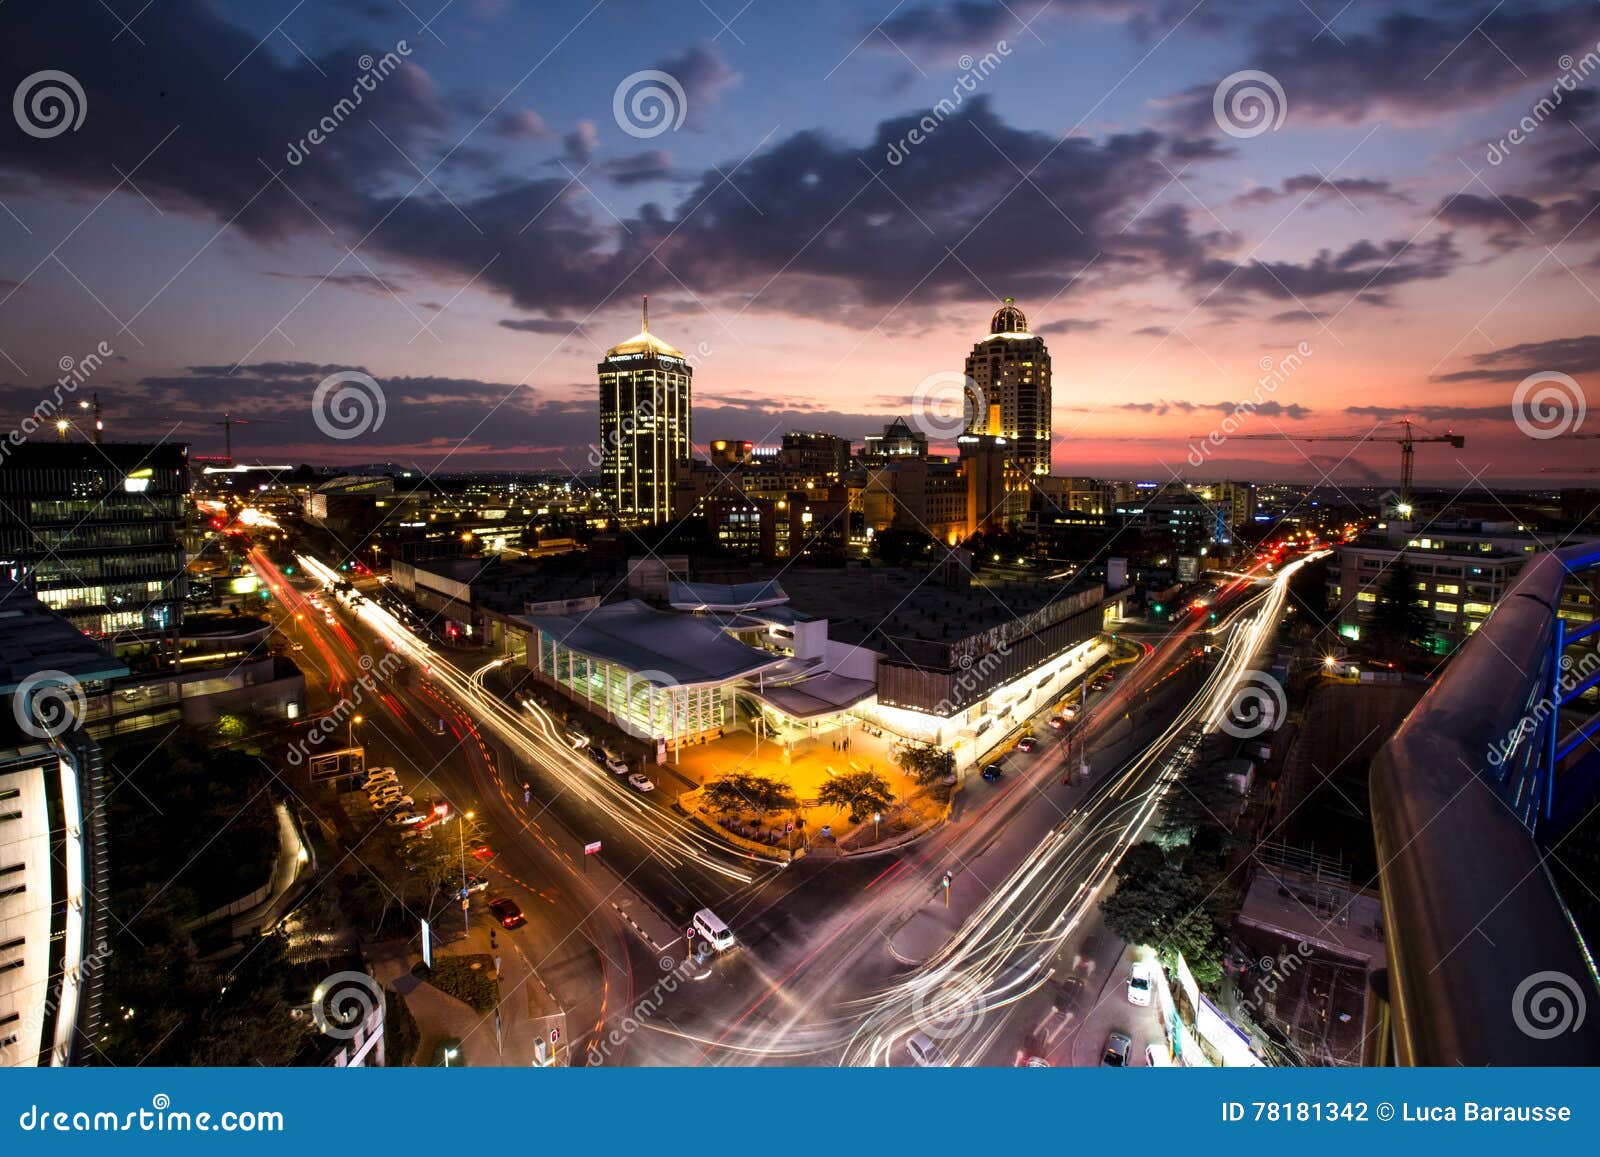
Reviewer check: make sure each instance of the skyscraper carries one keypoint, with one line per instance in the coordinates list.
(1012, 369)
(644, 424)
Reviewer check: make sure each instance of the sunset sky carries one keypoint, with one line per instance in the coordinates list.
(480, 229)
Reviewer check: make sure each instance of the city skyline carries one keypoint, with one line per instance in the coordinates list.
(476, 227)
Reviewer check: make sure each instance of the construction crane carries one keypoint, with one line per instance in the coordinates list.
(1569, 469)
(228, 422)
(1408, 440)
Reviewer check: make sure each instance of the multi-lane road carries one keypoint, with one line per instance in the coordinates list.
(839, 959)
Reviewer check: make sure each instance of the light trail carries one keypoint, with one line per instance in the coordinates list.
(1003, 951)
(539, 740)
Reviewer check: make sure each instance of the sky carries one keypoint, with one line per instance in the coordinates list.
(1382, 211)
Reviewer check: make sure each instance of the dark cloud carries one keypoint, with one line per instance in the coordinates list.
(1300, 316)
(546, 325)
(1567, 355)
(1316, 187)
(653, 165)
(1361, 267)
(519, 124)
(1152, 331)
(360, 282)
(1434, 413)
(581, 144)
(704, 76)
(1071, 325)
(1293, 411)
(1405, 65)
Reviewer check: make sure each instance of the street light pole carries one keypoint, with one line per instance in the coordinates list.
(461, 838)
(350, 731)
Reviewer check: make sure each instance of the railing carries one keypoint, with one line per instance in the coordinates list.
(1487, 964)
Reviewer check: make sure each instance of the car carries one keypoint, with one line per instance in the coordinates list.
(639, 781)
(1118, 1045)
(924, 1053)
(390, 802)
(1156, 1057)
(483, 852)
(507, 912)
(1069, 711)
(474, 884)
(1057, 723)
(381, 775)
(993, 771)
(576, 737)
(297, 646)
(1139, 982)
(440, 808)
(1027, 743)
(403, 819)
(616, 766)
(1032, 1061)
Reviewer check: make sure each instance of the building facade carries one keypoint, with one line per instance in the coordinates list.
(1011, 368)
(644, 425)
(94, 531)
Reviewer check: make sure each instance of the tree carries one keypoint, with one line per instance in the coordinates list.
(1400, 620)
(863, 792)
(924, 762)
(1173, 902)
(898, 547)
(740, 791)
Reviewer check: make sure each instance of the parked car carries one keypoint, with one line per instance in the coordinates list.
(1118, 1045)
(474, 884)
(924, 1052)
(1027, 743)
(508, 913)
(639, 781)
(993, 771)
(1057, 723)
(404, 819)
(1139, 979)
(616, 766)
(388, 803)
(1156, 1057)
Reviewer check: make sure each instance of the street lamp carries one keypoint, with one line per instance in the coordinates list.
(461, 835)
(448, 1054)
(876, 816)
(350, 731)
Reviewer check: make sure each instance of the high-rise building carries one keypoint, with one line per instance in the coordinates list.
(93, 530)
(1011, 368)
(644, 425)
(54, 931)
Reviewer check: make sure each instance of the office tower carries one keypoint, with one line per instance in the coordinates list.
(53, 933)
(93, 531)
(644, 425)
(1012, 370)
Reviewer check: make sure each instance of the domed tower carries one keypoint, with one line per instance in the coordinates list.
(1012, 369)
(644, 424)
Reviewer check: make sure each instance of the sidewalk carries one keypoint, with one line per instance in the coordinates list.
(972, 879)
(527, 1011)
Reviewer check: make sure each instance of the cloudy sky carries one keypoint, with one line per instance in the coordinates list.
(1407, 191)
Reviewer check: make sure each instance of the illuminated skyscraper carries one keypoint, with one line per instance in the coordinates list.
(1012, 369)
(644, 424)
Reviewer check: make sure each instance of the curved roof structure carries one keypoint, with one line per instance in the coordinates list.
(729, 597)
(1008, 319)
(664, 648)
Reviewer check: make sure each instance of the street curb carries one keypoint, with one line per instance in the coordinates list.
(634, 924)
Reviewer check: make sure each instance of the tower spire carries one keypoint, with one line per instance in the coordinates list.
(647, 313)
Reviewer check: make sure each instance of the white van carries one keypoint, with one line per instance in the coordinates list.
(923, 1051)
(707, 923)
(1157, 1057)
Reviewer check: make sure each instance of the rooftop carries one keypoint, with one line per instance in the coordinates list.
(34, 640)
(664, 647)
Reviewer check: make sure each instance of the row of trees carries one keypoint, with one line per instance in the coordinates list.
(862, 792)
